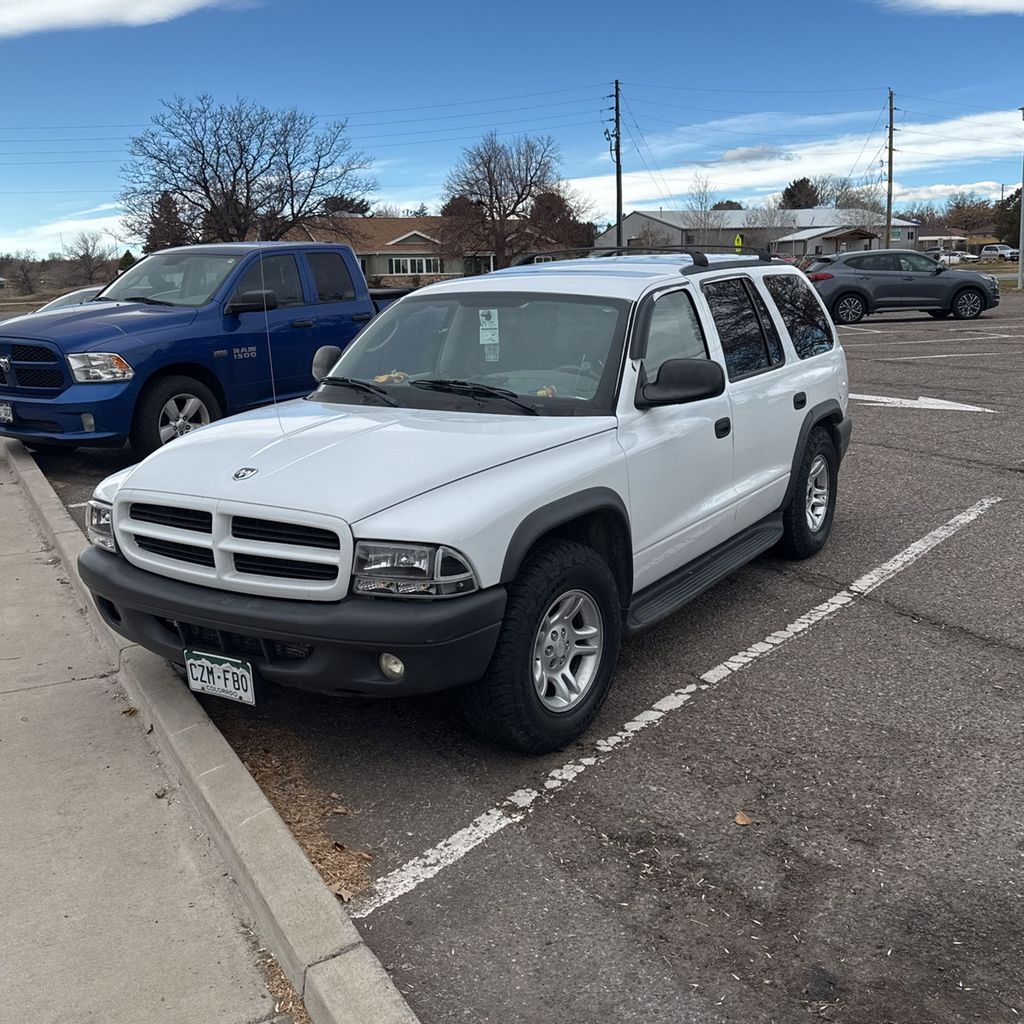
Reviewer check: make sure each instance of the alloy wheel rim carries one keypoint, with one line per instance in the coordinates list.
(850, 309)
(817, 494)
(969, 304)
(181, 415)
(567, 651)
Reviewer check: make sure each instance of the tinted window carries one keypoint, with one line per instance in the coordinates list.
(771, 336)
(674, 333)
(738, 327)
(911, 262)
(858, 262)
(278, 274)
(881, 261)
(801, 313)
(331, 276)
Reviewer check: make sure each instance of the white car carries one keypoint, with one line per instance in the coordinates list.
(501, 478)
(967, 257)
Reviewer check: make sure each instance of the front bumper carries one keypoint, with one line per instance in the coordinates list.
(58, 419)
(330, 647)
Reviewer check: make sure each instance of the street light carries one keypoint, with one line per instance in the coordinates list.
(1020, 239)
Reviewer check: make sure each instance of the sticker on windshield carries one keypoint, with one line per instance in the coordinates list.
(489, 334)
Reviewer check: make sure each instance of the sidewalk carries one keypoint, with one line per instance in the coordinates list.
(114, 907)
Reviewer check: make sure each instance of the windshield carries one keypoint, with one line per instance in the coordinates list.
(173, 279)
(558, 353)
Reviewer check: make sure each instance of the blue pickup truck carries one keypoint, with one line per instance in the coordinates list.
(184, 337)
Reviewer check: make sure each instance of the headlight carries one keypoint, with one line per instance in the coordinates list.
(410, 570)
(100, 524)
(99, 367)
(993, 279)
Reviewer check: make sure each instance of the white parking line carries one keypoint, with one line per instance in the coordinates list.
(77, 504)
(947, 355)
(934, 341)
(516, 806)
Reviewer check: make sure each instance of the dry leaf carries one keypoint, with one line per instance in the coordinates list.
(363, 855)
(343, 894)
(742, 818)
(130, 711)
(339, 810)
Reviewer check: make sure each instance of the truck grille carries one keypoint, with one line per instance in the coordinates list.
(218, 641)
(217, 544)
(32, 367)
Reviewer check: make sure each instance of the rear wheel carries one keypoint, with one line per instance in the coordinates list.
(968, 304)
(848, 309)
(171, 407)
(807, 520)
(556, 653)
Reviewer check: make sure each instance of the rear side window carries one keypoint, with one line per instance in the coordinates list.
(333, 281)
(741, 323)
(801, 313)
(278, 274)
(674, 333)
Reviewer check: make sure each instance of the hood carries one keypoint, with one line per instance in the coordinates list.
(79, 328)
(347, 461)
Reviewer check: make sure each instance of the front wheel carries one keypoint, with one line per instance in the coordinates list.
(968, 305)
(807, 519)
(849, 309)
(556, 653)
(171, 407)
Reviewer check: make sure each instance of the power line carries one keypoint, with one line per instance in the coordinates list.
(866, 141)
(757, 91)
(745, 113)
(952, 103)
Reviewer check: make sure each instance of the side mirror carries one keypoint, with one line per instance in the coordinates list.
(324, 360)
(252, 302)
(939, 269)
(680, 381)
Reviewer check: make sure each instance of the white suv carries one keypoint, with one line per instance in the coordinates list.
(1000, 252)
(501, 478)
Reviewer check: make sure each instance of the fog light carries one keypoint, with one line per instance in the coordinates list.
(392, 667)
(88, 422)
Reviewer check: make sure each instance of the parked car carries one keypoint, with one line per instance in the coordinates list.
(967, 257)
(495, 483)
(946, 256)
(180, 339)
(1000, 251)
(854, 285)
(75, 298)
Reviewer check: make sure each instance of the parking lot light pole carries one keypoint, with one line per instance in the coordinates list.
(1020, 239)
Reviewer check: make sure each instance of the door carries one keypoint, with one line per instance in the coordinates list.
(880, 275)
(678, 457)
(340, 315)
(761, 389)
(925, 282)
(280, 340)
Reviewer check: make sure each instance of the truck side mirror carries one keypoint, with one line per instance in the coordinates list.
(324, 360)
(680, 381)
(252, 302)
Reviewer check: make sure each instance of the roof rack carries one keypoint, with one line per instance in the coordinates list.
(594, 251)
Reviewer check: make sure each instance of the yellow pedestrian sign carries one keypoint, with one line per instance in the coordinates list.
(738, 242)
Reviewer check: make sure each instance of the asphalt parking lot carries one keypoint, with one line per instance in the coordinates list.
(873, 747)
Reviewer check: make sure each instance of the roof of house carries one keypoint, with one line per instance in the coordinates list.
(834, 230)
(367, 235)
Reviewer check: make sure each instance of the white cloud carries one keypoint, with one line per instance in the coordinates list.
(43, 239)
(958, 6)
(21, 17)
(743, 154)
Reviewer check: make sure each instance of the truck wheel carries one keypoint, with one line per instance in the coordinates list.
(807, 520)
(556, 653)
(968, 304)
(171, 407)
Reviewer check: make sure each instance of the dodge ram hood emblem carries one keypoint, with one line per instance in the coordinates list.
(245, 472)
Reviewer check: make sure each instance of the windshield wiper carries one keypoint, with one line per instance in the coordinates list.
(473, 389)
(361, 385)
(143, 298)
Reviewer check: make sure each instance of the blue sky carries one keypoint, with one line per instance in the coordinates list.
(749, 94)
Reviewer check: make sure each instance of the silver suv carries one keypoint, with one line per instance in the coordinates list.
(855, 284)
(1000, 252)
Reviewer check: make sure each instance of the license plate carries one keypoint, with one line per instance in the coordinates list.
(6, 413)
(220, 677)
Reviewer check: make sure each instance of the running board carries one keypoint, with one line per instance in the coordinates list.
(670, 594)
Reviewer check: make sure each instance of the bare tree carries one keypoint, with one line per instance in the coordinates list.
(24, 269)
(241, 170)
(832, 189)
(650, 237)
(490, 193)
(90, 256)
(700, 206)
(773, 220)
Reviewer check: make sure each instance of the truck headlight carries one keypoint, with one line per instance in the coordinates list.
(100, 525)
(392, 569)
(99, 367)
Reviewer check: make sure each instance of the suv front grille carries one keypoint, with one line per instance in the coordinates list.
(284, 533)
(176, 552)
(284, 568)
(165, 515)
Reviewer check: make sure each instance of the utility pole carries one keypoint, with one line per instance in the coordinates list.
(1020, 238)
(888, 198)
(614, 138)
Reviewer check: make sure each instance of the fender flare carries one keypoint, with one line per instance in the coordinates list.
(828, 411)
(557, 513)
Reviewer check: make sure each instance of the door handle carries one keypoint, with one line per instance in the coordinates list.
(361, 317)
(799, 400)
(302, 323)
(722, 427)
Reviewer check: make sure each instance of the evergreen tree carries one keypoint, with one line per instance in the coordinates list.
(166, 228)
(126, 262)
(800, 194)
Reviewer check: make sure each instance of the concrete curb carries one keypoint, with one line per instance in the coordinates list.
(299, 919)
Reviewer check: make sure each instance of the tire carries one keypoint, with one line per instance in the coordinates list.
(968, 304)
(938, 314)
(150, 423)
(799, 538)
(507, 706)
(849, 309)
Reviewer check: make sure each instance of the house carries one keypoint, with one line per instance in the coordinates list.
(789, 232)
(395, 251)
